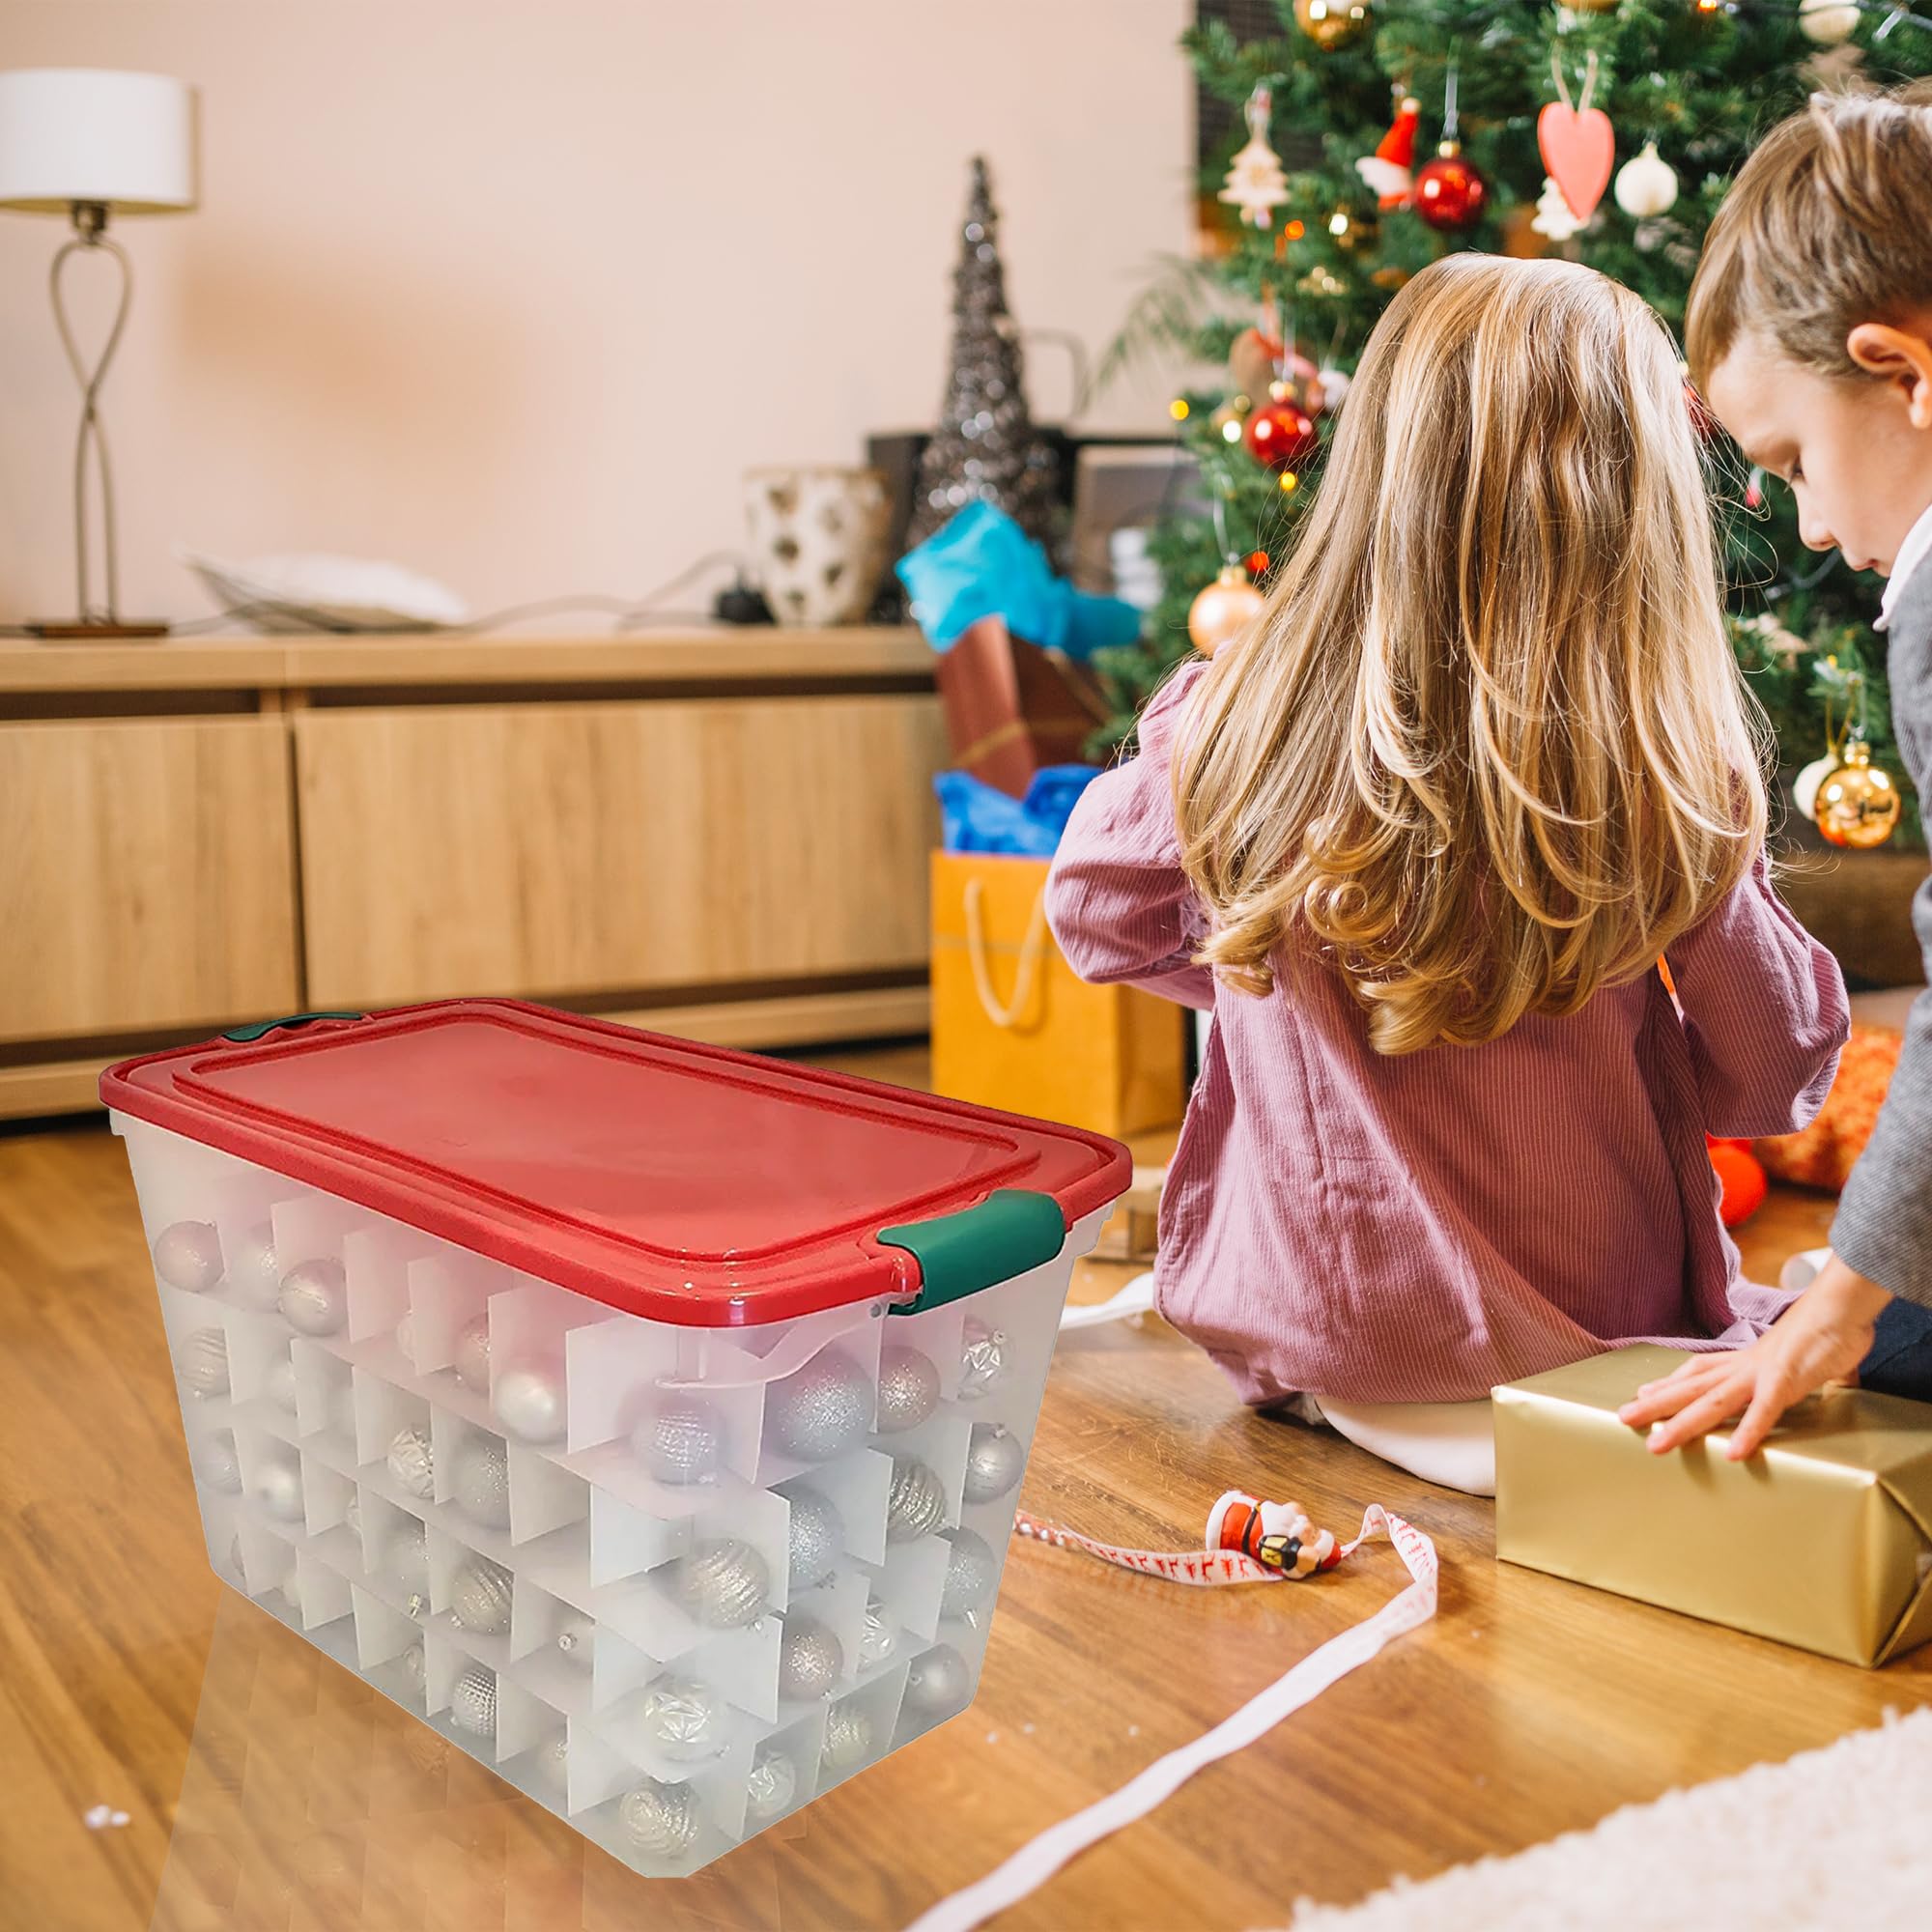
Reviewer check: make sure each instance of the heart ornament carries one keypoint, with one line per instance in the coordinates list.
(1579, 150)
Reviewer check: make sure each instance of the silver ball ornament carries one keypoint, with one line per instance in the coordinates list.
(681, 1440)
(254, 1274)
(314, 1297)
(279, 1385)
(471, 1355)
(278, 1484)
(879, 1639)
(995, 1461)
(530, 1401)
(722, 1583)
(576, 1640)
(818, 1537)
(916, 1504)
(412, 1461)
(908, 1389)
(472, 1702)
(971, 1574)
(848, 1737)
(772, 1786)
(684, 1719)
(940, 1681)
(810, 1659)
(187, 1255)
(217, 1464)
(658, 1820)
(821, 1411)
(480, 1595)
(406, 1557)
(202, 1362)
(983, 1359)
(480, 1482)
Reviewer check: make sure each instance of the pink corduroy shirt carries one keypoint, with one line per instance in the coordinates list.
(1418, 1229)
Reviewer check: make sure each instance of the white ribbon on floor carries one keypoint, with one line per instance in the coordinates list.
(1034, 1863)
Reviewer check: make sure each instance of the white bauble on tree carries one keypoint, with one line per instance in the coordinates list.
(1827, 21)
(1646, 183)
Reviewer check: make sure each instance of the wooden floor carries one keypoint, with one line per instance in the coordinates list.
(264, 1787)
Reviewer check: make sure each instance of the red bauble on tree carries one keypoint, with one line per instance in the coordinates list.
(1280, 435)
(1449, 192)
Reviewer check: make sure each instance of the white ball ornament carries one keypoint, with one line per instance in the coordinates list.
(480, 1595)
(407, 1559)
(202, 1362)
(821, 1411)
(550, 1765)
(658, 1820)
(1646, 183)
(217, 1464)
(1805, 786)
(939, 1682)
(480, 1482)
(1335, 385)
(472, 1702)
(879, 1639)
(314, 1297)
(470, 1357)
(908, 1389)
(415, 1666)
(983, 1359)
(279, 1385)
(187, 1255)
(995, 1461)
(254, 1275)
(772, 1786)
(722, 1583)
(848, 1737)
(412, 1461)
(278, 1484)
(684, 1719)
(530, 1401)
(681, 1441)
(1827, 22)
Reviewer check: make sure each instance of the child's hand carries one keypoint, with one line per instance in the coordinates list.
(1822, 1338)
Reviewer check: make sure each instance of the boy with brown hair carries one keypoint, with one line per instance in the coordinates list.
(1810, 335)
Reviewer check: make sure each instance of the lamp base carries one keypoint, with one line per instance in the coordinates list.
(74, 630)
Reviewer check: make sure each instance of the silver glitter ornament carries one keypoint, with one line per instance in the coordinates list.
(480, 1482)
(822, 1410)
(983, 1359)
(940, 1681)
(681, 1440)
(279, 1385)
(254, 1274)
(314, 1297)
(412, 1461)
(187, 1255)
(576, 1640)
(817, 1536)
(810, 1659)
(971, 1577)
(995, 1461)
(471, 1355)
(217, 1466)
(848, 1737)
(722, 1583)
(772, 1786)
(908, 1390)
(684, 1719)
(879, 1641)
(530, 1401)
(480, 1595)
(279, 1484)
(658, 1820)
(916, 1504)
(472, 1702)
(202, 1362)
(406, 1557)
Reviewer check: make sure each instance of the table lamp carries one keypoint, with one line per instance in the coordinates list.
(87, 144)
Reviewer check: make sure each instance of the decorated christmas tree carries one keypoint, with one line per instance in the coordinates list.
(1372, 137)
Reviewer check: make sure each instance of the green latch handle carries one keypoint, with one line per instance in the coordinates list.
(1013, 1230)
(247, 1035)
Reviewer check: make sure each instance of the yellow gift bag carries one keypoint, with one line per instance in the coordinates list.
(1014, 1027)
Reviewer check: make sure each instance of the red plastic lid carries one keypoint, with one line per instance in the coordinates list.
(684, 1182)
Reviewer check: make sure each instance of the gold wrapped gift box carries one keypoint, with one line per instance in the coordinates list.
(1823, 1540)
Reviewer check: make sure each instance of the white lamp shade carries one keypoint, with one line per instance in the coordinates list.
(69, 134)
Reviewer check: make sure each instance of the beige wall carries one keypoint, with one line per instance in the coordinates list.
(515, 292)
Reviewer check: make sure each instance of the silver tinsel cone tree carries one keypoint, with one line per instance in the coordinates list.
(985, 448)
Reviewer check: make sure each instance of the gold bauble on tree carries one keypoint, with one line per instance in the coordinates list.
(1593, 5)
(1333, 23)
(1858, 805)
(1223, 611)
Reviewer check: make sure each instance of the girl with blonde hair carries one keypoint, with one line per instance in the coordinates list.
(1418, 841)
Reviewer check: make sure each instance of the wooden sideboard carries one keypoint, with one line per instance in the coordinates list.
(720, 833)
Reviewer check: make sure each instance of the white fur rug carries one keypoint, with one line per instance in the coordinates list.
(1834, 1840)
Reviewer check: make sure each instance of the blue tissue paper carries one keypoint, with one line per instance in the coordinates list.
(976, 817)
(981, 564)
